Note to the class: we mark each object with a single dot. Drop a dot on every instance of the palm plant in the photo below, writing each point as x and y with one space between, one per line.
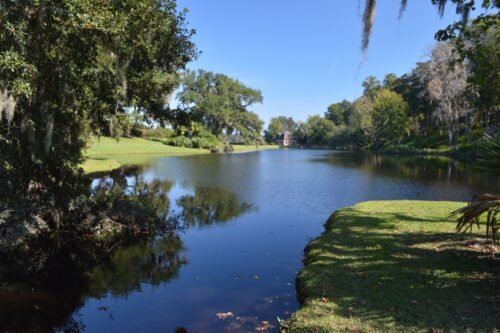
488 154
488 204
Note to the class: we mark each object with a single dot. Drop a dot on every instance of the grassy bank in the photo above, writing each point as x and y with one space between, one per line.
106 154
396 266
243 148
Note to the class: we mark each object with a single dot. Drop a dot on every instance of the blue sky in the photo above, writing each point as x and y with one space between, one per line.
305 55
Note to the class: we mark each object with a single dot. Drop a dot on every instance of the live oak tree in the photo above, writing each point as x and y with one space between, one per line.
221 104
67 68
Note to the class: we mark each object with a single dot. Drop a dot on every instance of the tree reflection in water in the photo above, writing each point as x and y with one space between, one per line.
209 206
73 272
425 168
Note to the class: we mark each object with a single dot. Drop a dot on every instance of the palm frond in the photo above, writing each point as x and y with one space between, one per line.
488 204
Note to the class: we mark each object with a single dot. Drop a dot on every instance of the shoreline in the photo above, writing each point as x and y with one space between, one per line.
394 266
108 154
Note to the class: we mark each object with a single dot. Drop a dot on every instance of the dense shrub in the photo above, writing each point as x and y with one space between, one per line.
204 140
158 133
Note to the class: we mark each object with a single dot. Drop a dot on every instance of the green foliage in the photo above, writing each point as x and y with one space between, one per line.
208 206
156 133
390 81
277 126
371 85
319 131
455 92
203 140
390 117
479 45
119 126
69 69
361 121
220 104
488 154
339 112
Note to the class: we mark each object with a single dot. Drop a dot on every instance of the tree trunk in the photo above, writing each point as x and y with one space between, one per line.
468 128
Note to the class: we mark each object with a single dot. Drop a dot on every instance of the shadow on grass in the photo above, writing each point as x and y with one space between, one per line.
373 276
99 158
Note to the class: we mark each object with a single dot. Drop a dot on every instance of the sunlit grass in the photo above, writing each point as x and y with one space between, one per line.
106 154
240 148
396 266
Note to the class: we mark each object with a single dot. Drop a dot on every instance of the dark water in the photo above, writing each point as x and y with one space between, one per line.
247 218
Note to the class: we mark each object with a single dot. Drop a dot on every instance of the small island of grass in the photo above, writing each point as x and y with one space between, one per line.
397 266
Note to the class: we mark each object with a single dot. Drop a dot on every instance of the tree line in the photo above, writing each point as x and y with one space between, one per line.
451 99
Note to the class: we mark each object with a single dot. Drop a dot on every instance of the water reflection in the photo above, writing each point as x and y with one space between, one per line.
49 300
51 307
422 168
149 262
247 267
210 205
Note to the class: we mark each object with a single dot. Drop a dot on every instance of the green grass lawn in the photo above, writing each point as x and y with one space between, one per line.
397 266
106 154
241 148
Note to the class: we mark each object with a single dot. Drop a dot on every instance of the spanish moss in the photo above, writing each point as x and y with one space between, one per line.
368 19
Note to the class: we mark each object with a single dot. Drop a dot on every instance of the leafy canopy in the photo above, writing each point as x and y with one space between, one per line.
67 68
221 104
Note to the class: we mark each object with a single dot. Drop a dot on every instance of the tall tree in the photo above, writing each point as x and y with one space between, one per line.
319 131
278 125
66 67
413 88
361 121
339 112
371 86
447 87
220 103
479 46
390 117
390 81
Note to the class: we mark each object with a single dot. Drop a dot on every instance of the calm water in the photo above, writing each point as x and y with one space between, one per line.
248 218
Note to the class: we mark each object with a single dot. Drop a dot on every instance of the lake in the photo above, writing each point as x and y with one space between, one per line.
247 218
